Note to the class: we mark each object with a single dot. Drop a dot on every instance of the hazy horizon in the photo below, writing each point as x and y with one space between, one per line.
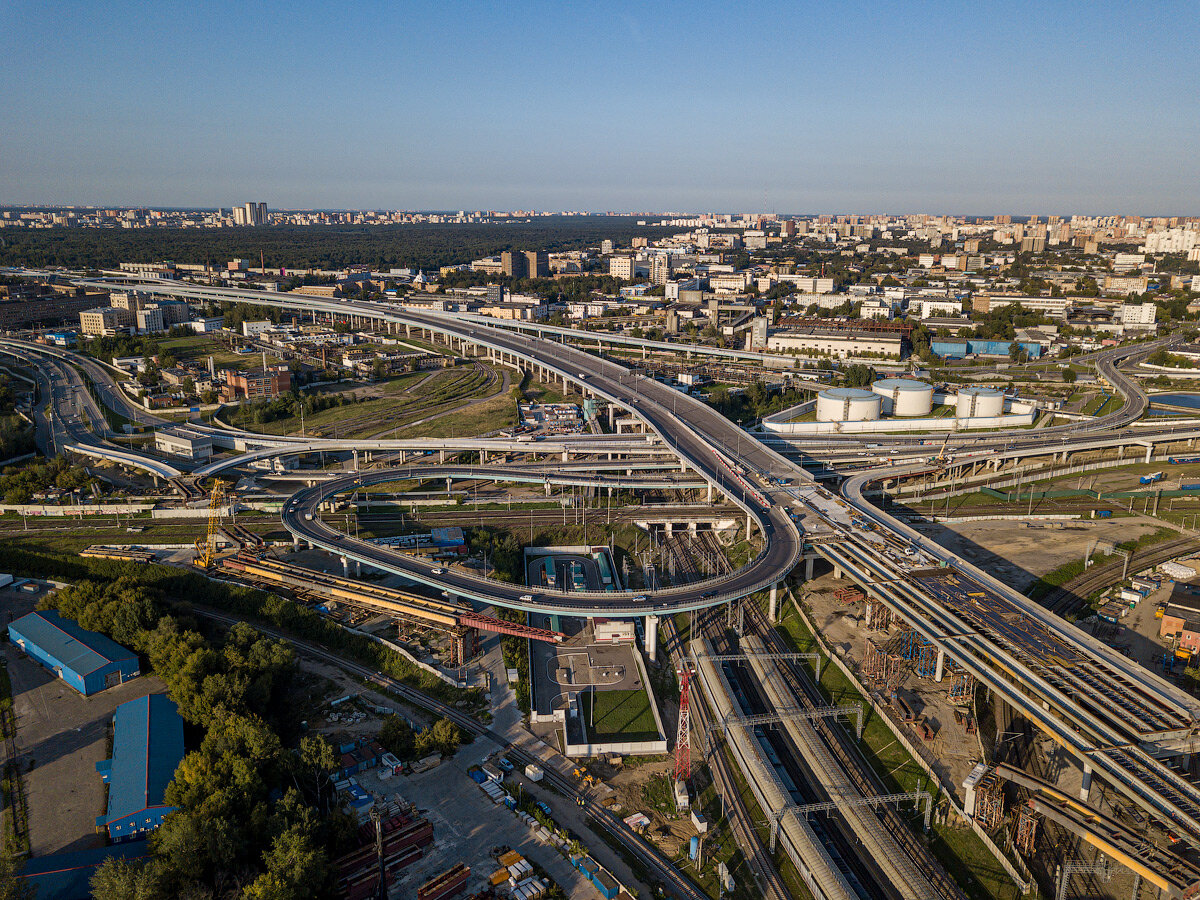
1022 107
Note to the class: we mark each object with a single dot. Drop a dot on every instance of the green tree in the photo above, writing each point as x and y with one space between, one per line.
296 869
1068 375
396 736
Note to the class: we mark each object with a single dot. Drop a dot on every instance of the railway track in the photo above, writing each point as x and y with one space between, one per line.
865 779
675 883
1075 592
837 835
770 882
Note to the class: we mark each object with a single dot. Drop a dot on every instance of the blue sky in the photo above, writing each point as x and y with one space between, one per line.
791 106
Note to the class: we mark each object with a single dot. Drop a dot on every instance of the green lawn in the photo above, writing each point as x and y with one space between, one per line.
619 714
199 347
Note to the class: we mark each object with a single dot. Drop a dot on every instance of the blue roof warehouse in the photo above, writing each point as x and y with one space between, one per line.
147 748
87 661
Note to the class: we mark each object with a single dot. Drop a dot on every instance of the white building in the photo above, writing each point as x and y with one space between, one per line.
928 309
150 320
183 442
621 267
729 283
875 309
1174 240
252 329
1127 262
1138 315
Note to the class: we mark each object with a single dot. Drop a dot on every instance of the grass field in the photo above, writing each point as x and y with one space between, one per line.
199 347
619 714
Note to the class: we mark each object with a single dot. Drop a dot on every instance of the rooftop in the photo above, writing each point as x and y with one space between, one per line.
147 748
76 648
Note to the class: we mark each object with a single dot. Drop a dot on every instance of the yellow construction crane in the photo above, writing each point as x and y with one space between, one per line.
206 550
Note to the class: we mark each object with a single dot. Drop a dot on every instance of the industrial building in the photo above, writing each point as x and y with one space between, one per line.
147 748
828 341
183 442
87 661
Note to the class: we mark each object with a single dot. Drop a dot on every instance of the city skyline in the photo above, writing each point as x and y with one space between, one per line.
1032 108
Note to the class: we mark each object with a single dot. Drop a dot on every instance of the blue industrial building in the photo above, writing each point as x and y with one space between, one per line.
147 748
87 661
970 347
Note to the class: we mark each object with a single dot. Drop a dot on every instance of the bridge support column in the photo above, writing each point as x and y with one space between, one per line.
652 637
837 571
1149 452
940 671
295 542
808 568
442 457
357 568
1086 787
355 460
773 609
709 498
345 567
749 526
566 456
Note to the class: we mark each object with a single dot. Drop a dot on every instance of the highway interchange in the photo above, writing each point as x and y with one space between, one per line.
792 514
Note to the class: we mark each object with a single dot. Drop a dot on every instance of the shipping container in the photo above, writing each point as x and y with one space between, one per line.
1101 513
1151 478
534 772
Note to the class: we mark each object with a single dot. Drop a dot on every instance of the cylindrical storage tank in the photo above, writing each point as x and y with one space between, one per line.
979 402
847 405
904 397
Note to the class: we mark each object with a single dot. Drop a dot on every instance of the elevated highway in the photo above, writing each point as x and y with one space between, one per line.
1038 664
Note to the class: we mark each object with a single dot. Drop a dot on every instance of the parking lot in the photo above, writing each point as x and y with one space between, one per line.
61 735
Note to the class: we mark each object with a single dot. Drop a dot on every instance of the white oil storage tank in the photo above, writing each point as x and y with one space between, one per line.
847 405
904 397
979 402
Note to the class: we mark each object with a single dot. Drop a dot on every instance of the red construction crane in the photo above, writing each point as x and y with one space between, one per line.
683 741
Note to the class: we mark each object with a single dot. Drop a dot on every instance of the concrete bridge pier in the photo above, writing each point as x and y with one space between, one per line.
837 571
773 609
749 526
940 671
295 542
1086 787
809 562
652 637
345 567
709 497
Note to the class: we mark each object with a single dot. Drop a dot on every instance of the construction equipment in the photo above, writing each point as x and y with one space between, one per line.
941 458
206 550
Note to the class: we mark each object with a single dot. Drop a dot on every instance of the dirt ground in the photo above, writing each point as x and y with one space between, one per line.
840 625
1018 552
637 786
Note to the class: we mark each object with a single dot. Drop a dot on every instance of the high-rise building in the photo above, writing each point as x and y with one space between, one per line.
537 264
660 268
250 214
513 264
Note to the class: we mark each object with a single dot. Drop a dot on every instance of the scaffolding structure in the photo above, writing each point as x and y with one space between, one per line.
873 660
878 616
962 686
989 801
927 655
1026 833
464 645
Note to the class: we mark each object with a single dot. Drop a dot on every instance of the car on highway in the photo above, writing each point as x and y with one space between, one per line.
526 598
436 571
